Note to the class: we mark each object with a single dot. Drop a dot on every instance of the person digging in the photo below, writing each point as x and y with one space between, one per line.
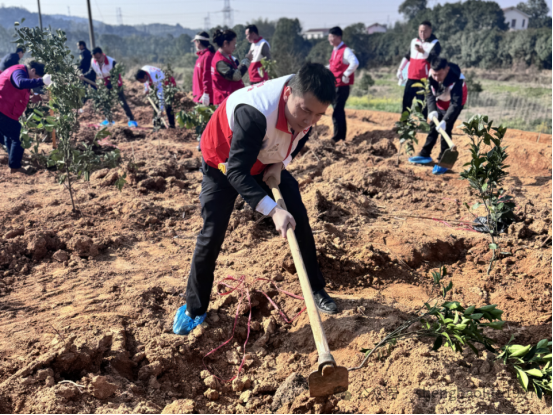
251 137
154 78
15 85
445 100
102 65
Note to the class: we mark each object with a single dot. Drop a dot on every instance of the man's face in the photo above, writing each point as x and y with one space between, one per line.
302 111
32 74
251 36
98 57
334 40
440 75
20 54
81 47
143 80
424 32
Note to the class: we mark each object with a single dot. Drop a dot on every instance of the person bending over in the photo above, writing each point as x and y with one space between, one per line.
252 136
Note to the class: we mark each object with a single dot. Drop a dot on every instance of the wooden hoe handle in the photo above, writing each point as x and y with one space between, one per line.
443 133
157 112
313 313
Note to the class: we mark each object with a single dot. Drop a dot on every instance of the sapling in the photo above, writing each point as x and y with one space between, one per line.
486 173
268 66
413 120
66 98
197 118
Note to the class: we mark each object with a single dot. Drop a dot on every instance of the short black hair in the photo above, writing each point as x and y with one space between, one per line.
140 74
438 64
336 31
220 36
22 50
314 78
37 66
252 28
426 23
96 50
82 43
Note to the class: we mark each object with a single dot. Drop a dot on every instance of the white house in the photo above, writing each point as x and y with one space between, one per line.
516 19
376 28
315 33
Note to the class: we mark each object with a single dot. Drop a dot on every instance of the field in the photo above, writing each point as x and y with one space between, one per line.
90 297
519 100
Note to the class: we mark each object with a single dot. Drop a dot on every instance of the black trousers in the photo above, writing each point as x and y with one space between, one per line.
432 137
217 199
410 93
123 102
339 113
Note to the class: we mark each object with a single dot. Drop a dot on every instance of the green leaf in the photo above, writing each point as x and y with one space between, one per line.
493 246
534 372
516 350
470 310
522 377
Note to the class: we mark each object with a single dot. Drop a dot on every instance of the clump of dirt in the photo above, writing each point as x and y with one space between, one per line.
88 299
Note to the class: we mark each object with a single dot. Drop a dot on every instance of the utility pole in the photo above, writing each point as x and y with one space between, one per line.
207 23
119 15
227 15
90 26
39 15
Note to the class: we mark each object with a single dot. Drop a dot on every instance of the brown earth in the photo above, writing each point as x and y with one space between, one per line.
90 297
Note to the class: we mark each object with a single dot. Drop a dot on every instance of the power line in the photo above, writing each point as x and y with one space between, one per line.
227 14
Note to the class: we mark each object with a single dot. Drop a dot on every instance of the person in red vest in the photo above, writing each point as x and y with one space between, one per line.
154 79
102 65
15 85
445 100
253 135
422 52
260 49
226 72
202 87
343 64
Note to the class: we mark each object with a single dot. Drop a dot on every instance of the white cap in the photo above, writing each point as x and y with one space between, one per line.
198 37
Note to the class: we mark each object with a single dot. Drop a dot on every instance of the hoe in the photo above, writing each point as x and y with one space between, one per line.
329 378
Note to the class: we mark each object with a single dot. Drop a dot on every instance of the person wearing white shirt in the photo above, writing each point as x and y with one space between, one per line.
342 64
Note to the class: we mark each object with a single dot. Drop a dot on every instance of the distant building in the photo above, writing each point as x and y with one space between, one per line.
516 19
376 28
315 33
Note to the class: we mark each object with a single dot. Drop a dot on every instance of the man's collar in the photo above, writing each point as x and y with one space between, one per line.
282 122
339 46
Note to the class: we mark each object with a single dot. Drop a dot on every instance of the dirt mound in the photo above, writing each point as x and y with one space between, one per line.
88 300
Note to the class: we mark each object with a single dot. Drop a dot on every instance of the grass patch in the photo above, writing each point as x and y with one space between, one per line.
375 104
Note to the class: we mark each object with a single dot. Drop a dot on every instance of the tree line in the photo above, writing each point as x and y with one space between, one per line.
473 33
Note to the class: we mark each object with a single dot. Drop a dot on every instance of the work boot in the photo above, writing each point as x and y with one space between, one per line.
28 171
324 303
184 323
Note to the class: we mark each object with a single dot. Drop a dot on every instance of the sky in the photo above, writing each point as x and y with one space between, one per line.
192 13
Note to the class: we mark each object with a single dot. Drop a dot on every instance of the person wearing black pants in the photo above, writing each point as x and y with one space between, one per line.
251 138
410 94
446 98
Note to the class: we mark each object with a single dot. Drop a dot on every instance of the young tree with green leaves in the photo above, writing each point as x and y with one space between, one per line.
486 173
104 99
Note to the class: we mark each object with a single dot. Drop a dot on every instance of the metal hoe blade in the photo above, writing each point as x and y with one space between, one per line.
328 380
449 158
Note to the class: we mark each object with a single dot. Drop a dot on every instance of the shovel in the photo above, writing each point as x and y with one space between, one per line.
158 112
329 378
451 154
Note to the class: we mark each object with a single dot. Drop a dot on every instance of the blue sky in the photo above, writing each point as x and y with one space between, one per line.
312 13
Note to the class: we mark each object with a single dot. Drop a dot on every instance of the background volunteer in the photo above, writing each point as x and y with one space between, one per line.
154 78
226 72
422 51
102 65
445 100
343 64
15 85
260 49
202 87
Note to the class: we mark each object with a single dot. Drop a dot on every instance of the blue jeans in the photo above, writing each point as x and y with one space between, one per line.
9 137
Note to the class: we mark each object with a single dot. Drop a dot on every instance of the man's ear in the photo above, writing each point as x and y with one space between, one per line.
287 93
32 72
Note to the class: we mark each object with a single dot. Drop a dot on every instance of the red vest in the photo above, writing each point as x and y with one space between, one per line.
201 80
338 67
419 67
253 70
222 87
13 101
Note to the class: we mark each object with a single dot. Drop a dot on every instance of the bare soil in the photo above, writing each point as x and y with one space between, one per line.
90 297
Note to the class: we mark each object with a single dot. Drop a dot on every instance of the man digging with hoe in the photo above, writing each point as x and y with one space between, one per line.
251 138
